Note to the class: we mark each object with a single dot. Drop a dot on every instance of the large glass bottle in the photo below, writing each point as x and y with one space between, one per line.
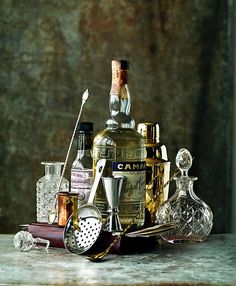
82 167
124 149
157 169
191 216
47 188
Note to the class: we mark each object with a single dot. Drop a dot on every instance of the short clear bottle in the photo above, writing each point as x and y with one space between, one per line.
47 188
192 218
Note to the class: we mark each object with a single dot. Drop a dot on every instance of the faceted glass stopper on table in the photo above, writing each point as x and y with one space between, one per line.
24 241
191 216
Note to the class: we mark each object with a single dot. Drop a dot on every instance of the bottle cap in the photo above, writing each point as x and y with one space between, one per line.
85 127
150 132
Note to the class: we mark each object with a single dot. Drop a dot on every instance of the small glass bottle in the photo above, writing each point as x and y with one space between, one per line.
123 148
82 167
157 169
192 217
47 188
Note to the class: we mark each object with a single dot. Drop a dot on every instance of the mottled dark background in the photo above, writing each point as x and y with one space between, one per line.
180 76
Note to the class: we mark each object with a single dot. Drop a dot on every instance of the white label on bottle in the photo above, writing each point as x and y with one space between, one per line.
81 182
133 191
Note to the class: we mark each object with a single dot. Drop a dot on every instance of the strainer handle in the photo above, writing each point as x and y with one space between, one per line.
99 169
75 213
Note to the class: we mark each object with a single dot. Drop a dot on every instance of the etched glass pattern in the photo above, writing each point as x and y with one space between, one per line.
24 241
192 217
47 188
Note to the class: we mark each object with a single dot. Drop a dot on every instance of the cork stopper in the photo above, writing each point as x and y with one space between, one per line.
119 75
120 64
150 132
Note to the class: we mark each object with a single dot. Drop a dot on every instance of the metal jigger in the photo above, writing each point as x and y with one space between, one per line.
112 186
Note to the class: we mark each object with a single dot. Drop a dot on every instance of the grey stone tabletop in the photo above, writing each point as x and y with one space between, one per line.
212 262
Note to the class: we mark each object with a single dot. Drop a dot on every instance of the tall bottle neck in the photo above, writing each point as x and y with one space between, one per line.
184 185
84 144
120 101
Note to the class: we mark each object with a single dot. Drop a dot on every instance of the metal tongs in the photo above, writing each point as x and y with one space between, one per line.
151 231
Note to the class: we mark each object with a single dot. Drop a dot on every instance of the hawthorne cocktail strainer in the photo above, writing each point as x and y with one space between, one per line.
84 225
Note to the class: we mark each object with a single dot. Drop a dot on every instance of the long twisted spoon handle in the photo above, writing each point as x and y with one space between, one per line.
52 215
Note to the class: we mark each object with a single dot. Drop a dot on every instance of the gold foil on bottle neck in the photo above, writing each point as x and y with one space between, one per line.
150 131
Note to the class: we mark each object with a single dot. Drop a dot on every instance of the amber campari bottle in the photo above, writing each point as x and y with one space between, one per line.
124 149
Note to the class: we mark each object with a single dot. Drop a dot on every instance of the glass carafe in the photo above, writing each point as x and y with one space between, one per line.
47 188
191 216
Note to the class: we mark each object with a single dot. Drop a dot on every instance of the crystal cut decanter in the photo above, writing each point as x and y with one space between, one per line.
47 188
193 219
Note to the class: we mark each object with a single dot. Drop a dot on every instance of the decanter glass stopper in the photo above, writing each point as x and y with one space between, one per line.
184 161
24 241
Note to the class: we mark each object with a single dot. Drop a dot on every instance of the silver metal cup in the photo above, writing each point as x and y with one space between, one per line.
112 187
